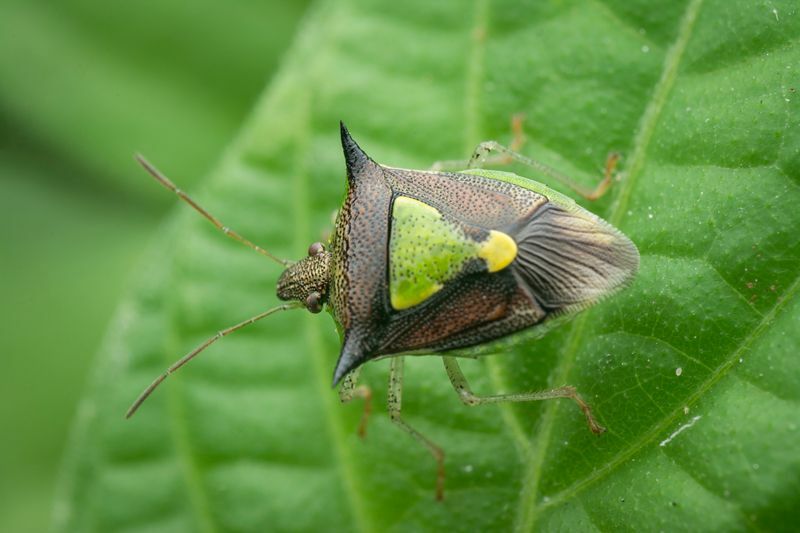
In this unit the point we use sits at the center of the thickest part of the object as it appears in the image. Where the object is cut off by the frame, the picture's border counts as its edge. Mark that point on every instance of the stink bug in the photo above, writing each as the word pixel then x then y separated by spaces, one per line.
pixel 433 262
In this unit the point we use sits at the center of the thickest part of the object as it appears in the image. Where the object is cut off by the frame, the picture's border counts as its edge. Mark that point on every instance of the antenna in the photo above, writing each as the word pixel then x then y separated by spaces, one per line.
pixel 165 181
pixel 191 355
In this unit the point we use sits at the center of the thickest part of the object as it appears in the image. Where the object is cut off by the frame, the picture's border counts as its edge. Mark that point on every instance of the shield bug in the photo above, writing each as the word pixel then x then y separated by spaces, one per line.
pixel 446 263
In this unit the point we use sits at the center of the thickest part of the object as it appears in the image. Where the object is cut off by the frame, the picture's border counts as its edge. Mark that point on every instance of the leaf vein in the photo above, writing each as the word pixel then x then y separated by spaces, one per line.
pixel 197 495
pixel 528 509
pixel 652 435
pixel 670 346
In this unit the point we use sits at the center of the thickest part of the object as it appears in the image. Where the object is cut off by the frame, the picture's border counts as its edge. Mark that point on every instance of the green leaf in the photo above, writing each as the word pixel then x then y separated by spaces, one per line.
pixel 694 369
pixel 83 84
pixel 80 91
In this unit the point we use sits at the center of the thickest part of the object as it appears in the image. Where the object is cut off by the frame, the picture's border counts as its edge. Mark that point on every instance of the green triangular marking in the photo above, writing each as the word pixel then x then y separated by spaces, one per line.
pixel 425 251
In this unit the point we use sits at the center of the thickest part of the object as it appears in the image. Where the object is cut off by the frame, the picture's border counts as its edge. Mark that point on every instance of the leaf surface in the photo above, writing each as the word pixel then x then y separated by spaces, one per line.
pixel 694 369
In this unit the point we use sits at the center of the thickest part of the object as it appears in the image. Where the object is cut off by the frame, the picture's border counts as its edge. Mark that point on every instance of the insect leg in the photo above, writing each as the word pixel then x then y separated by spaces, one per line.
pixel 395 400
pixel 509 154
pixel 349 390
pixel 466 395
pixel 516 144
pixel 480 157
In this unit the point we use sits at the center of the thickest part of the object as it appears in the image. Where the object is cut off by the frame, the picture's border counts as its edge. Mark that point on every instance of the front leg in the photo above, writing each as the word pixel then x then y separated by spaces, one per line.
pixel 395 400
pixel 349 390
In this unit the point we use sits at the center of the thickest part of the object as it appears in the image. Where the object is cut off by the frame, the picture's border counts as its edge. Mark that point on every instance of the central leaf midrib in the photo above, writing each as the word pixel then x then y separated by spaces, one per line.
pixel 197 493
pixel 528 509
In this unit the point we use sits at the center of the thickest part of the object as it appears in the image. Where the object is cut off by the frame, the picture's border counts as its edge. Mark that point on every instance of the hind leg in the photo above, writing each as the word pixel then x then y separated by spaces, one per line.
pixel 504 155
pixel 466 395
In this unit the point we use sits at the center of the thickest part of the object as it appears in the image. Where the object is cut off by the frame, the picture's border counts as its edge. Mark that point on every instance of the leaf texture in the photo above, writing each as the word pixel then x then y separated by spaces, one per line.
pixel 694 369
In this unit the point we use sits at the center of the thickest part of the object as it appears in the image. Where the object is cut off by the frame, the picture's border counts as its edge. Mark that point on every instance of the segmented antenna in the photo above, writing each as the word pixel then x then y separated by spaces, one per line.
pixel 165 181
pixel 191 355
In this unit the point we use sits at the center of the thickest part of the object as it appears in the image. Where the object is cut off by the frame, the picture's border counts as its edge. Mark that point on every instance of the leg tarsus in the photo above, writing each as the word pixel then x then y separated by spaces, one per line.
pixel 569 391
pixel 349 390
pixel 471 399
pixel 395 401
pixel 611 164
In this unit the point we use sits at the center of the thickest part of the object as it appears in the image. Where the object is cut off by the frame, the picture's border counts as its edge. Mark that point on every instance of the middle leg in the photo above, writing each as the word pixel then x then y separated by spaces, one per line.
pixel 395 400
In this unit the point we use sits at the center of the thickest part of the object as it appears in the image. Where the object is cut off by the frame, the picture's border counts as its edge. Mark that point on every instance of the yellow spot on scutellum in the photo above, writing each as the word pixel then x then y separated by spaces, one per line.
pixel 498 251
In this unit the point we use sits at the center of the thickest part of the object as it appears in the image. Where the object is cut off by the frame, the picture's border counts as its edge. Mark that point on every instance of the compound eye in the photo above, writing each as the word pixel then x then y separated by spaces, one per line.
pixel 316 249
pixel 314 302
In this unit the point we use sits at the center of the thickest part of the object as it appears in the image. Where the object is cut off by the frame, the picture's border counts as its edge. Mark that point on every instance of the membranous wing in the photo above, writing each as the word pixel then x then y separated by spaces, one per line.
pixel 569 258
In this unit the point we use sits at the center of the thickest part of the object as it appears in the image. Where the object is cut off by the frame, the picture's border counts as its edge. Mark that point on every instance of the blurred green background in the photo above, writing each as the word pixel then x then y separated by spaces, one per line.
pixel 83 85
